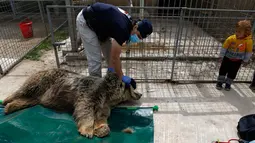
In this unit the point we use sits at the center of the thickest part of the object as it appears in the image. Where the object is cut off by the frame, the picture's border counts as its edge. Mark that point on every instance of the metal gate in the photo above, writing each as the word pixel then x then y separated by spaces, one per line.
pixel 184 45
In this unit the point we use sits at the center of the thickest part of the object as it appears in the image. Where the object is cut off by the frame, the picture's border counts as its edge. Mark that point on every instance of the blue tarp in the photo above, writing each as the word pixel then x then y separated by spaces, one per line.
pixel 42 125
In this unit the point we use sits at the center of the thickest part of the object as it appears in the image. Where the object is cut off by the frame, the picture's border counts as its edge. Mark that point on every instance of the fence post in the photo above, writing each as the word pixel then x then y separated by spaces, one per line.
pixel 141 10
pixel 71 25
pixel 50 25
pixel 177 42
pixel 13 9
pixel 131 5
pixel 52 36
pixel 42 16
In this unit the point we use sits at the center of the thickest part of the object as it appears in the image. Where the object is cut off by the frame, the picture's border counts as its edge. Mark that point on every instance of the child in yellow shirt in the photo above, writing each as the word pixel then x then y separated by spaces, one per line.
pixel 237 49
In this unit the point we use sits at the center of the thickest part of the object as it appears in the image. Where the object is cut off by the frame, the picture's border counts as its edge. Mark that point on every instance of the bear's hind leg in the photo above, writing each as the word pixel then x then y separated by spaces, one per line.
pixel 84 117
pixel 19 104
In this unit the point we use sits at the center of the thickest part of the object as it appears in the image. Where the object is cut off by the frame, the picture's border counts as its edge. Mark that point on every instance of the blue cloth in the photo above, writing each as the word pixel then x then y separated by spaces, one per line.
pixel 108 21
pixel 134 39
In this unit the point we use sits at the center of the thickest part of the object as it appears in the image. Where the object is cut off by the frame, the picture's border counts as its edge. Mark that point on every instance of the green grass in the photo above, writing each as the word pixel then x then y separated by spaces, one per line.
pixel 46 45
pixel 61 35
pixel 37 52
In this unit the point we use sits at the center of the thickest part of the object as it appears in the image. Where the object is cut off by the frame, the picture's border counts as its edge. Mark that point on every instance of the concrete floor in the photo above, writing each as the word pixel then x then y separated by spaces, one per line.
pixel 199 113
pixel 188 113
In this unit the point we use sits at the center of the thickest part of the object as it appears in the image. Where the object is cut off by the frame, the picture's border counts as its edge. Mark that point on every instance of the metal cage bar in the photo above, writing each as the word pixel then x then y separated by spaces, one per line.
pixel 197 14
pixel 184 46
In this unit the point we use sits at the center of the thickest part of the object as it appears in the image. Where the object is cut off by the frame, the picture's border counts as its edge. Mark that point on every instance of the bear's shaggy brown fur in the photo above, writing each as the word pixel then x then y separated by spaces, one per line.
pixel 88 98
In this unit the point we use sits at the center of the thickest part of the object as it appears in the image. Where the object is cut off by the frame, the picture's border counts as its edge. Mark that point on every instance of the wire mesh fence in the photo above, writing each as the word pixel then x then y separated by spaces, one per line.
pixel 133 56
pixel 201 36
pixel 12 43
pixel 24 26
pixel 209 4
pixel 184 45
pixel 14 46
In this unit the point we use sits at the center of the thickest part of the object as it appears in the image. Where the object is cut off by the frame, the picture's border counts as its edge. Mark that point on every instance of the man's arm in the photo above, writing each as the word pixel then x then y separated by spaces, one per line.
pixel 115 61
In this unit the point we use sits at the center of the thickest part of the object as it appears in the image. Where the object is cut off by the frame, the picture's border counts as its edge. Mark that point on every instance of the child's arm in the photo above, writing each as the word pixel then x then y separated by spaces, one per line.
pixel 248 51
pixel 225 47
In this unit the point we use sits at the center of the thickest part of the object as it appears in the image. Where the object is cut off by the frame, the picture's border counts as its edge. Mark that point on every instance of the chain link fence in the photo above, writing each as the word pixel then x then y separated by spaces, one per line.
pixel 24 27
pixel 202 32
pixel 184 46
pixel 12 44
pixel 209 4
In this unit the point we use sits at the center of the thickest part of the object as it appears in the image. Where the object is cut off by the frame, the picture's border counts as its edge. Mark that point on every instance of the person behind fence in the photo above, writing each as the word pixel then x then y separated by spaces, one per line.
pixel 104 27
pixel 236 50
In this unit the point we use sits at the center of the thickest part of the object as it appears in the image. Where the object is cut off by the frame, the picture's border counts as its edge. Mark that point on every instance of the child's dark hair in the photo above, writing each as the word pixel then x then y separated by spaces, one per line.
pixel 244 25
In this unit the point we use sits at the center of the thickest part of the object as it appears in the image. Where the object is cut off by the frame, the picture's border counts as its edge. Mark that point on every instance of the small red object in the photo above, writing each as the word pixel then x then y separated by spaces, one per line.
pixel 26 28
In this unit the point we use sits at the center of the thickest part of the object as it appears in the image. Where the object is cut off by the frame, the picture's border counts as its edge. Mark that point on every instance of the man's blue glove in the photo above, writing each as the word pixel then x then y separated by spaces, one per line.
pixel 129 81
pixel 126 79
pixel 111 69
